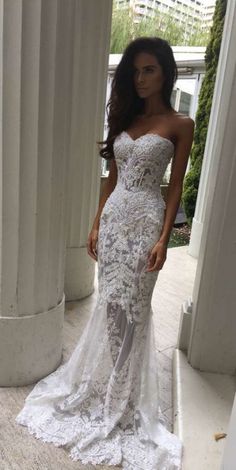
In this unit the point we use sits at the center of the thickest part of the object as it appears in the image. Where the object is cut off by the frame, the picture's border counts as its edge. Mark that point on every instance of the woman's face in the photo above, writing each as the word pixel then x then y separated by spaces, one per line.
pixel 148 75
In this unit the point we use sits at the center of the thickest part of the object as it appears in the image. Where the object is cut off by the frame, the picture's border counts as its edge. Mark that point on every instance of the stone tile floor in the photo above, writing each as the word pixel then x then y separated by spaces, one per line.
pixel 21 451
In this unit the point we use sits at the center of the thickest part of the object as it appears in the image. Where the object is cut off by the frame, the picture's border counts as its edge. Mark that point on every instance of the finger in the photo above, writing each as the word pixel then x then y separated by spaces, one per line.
pixel 156 266
pixel 90 251
pixel 151 258
pixel 95 252
pixel 149 263
pixel 152 269
pixel 92 255
pixel 94 245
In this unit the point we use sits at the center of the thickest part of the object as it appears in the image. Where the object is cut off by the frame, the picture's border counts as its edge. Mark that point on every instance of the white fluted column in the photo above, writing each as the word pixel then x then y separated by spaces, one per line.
pixel 35 70
pixel 210 335
pixel 229 453
pixel 203 189
pixel 90 68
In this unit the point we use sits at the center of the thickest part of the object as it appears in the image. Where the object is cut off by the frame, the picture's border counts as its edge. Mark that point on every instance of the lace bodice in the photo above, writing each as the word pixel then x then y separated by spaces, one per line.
pixel 141 164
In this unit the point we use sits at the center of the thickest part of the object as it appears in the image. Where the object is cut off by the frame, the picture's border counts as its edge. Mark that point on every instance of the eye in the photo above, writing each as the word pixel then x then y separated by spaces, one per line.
pixel 148 69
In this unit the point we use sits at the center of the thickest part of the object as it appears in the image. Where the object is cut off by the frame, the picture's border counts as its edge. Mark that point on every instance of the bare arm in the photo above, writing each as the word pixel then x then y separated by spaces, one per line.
pixel 183 146
pixel 107 190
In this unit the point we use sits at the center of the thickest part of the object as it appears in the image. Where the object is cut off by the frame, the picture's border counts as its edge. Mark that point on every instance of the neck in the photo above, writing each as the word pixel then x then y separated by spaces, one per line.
pixel 154 106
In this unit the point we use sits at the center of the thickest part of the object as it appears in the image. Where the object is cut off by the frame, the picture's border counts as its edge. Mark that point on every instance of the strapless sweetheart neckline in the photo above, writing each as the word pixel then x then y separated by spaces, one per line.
pixel 149 133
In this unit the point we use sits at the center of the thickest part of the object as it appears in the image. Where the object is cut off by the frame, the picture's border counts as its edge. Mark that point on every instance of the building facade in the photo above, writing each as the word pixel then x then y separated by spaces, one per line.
pixel 188 13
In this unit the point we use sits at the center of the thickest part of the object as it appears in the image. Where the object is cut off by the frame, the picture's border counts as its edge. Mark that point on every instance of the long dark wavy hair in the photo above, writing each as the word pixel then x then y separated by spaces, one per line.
pixel 124 103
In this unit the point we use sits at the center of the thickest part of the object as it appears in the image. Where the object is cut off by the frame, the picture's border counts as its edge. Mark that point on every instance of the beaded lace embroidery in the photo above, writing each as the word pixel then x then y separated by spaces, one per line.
pixel 103 404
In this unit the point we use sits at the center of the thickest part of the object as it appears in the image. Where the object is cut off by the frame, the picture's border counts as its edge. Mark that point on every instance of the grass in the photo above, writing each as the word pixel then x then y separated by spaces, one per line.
pixel 180 235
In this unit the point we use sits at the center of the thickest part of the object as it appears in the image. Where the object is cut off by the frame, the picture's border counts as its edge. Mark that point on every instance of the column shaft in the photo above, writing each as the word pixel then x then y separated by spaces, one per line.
pixel 35 86
pixel 89 82
pixel 211 342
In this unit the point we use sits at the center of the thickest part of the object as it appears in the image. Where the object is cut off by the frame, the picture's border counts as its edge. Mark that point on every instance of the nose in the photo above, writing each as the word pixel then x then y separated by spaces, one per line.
pixel 139 77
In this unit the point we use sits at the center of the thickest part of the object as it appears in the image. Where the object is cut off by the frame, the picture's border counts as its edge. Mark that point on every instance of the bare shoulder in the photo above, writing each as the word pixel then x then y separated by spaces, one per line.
pixel 181 118
pixel 183 126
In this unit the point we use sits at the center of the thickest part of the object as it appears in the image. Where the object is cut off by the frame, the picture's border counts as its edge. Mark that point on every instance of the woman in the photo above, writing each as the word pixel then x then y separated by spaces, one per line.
pixel 103 404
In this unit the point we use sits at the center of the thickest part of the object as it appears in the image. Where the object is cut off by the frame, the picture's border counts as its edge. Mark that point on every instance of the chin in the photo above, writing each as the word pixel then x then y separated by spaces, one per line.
pixel 143 94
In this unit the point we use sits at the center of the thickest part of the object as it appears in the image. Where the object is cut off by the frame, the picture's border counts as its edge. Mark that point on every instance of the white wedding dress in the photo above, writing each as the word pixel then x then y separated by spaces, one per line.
pixel 103 404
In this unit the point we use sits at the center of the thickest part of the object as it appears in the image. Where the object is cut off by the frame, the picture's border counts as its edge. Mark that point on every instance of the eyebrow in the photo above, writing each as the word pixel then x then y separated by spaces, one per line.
pixel 145 66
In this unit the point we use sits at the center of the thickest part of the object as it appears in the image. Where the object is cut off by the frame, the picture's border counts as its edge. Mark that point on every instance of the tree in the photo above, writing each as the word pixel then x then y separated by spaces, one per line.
pixel 121 30
pixel 162 25
pixel 126 26
pixel 199 37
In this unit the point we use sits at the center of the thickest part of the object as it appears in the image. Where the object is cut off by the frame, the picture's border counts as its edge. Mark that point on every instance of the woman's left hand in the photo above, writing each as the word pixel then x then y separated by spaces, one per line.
pixel 157 257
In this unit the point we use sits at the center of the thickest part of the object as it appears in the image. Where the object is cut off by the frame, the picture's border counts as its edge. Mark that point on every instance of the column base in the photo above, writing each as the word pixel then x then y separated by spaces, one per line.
pixel 79 273
pixel 31 346
pixel 195 238
pixel 202 404
pixel 185 325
